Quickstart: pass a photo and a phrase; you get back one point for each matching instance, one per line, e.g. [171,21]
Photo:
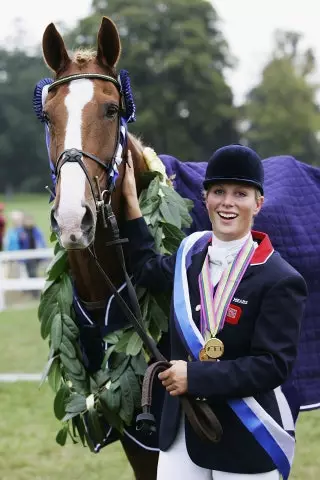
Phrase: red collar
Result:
[264,249]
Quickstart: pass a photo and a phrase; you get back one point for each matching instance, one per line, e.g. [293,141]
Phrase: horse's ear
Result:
[54,50]
[109,46]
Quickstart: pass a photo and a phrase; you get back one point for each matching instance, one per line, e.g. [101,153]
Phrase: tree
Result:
[176,57]
[281,113]
[24,161]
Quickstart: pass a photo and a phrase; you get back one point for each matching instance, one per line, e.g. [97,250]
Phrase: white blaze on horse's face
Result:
[72,202]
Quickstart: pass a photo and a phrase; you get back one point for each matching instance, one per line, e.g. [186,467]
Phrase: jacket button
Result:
[198,308]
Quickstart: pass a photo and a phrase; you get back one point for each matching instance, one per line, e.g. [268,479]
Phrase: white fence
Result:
[23,282]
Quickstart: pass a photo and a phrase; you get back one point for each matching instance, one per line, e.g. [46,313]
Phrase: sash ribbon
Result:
[275,440]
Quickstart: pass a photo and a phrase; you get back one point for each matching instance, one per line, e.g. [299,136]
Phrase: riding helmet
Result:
[235,163]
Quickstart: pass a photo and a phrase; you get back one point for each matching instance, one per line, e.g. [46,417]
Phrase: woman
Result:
[236,313]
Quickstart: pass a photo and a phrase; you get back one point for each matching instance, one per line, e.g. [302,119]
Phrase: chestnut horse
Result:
[83,116]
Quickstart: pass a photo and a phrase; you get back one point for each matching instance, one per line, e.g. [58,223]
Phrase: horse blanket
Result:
[291,217]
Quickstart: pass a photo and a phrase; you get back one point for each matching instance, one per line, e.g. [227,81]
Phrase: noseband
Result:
[74,155]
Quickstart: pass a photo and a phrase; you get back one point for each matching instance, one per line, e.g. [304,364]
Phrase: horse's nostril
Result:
[73,238]
[87,221]
[53,221]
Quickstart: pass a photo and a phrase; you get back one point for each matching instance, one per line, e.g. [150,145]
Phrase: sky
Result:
[248,26]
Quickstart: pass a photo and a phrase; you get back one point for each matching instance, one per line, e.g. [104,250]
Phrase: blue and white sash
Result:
[275,440]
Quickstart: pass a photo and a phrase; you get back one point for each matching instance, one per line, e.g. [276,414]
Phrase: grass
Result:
[24,351]
[28,427]
[28,450]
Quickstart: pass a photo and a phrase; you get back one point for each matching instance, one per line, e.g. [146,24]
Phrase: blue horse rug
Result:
[290,216]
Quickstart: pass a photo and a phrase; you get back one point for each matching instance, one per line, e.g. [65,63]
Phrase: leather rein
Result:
[198,412]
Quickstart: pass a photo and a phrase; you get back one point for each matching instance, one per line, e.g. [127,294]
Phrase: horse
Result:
[83,113]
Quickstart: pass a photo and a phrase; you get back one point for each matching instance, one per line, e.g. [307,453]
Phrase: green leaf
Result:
[72,434]
[171,231]
[154,331]
[47,285]
[46,370]
[150,205]
[94,426]
[135,387]
[73,366]
[107,356]
[54,375]
[158,316]
[101,377]
[60,400]
[69,327]
[57,266]
[57,246]
[112,418]
[79,426]
[53,238]
[121,346]
[81,386]
[65,295]
[46,321]
[166,213]
[61,437]
[112,398]
[111,338]
[153,188]
[127,401]
[134,344]
[139,364]
[115,374]
[47,301]
[69,416]
[76,403]
[67,347]
[56,331]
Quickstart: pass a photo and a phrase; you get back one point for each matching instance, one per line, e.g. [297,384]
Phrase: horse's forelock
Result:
[84,56]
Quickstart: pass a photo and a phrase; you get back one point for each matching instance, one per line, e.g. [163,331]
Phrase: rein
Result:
[199,414]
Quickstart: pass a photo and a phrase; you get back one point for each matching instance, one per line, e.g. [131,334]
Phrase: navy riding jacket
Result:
[260,336]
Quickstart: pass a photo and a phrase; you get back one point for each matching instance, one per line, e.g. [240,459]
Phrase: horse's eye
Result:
[111,110]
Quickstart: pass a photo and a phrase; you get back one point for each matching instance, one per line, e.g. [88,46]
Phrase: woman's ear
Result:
[259,203]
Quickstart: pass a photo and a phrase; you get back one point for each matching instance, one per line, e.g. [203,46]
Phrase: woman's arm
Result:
[150,269]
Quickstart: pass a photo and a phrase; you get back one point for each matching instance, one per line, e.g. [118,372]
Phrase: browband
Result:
[78,76]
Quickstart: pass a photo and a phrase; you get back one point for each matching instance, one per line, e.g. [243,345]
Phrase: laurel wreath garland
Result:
[85,403]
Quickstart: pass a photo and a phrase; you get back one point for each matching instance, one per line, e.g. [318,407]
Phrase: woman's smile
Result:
[231,208]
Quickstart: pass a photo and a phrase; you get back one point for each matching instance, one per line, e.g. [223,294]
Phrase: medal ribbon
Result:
[214,307]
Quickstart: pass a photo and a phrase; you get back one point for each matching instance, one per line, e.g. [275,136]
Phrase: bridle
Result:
[74,155]
[200,415]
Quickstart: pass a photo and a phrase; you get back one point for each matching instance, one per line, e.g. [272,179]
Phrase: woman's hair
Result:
[205,193]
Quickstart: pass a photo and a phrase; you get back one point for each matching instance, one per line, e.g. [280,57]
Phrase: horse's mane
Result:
[137,143]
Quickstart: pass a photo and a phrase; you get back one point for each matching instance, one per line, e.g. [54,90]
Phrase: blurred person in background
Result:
[11,238]
[31,238]
[2,225]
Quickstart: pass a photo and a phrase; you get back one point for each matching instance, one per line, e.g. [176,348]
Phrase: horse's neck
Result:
[90,284]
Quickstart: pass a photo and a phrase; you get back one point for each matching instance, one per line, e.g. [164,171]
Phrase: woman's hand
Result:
[175,378]
[129,190]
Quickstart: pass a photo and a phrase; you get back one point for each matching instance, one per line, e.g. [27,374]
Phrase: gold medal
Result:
[214,348]
[202,355]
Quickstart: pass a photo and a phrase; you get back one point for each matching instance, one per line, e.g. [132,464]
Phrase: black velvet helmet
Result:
[235,163]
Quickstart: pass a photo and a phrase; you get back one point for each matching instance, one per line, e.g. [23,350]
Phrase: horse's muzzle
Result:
[72,236]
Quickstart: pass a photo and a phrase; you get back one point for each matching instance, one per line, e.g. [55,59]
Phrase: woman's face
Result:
[231,208]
